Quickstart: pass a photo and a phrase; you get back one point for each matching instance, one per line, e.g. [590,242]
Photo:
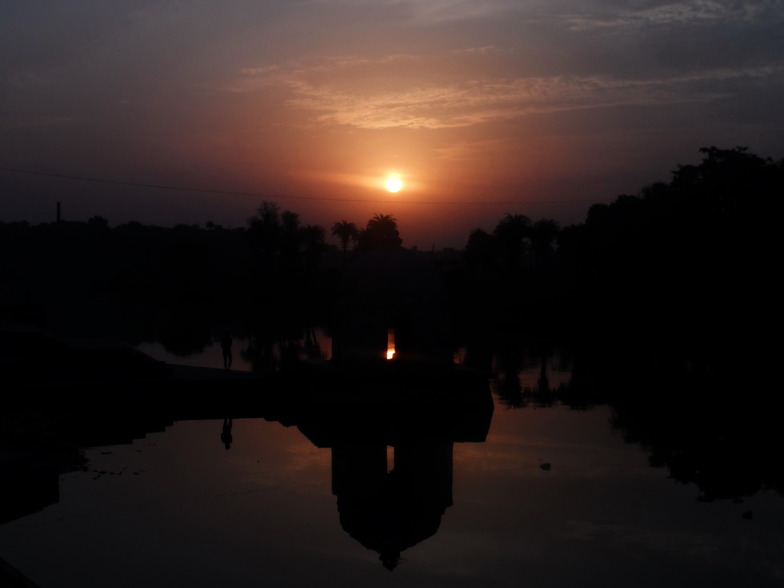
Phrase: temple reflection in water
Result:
[389,503]
[389,512]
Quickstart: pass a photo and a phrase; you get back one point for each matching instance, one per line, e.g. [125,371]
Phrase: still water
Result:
[551,497]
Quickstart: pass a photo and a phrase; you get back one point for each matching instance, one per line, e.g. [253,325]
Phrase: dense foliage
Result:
[660,303]
[695,255]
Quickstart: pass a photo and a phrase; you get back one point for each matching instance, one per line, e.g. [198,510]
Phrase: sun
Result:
[394,184]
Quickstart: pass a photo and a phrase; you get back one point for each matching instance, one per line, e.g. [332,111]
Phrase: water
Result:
[552,497]
[212,355]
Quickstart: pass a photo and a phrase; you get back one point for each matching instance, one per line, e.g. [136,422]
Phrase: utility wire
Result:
[266,196]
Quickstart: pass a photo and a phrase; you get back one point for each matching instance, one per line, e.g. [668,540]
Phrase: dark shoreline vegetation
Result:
[694,256]
[660,303]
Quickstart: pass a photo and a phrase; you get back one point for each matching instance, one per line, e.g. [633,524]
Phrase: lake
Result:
[529,494]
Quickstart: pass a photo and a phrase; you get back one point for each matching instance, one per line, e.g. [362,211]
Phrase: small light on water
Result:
[390,343]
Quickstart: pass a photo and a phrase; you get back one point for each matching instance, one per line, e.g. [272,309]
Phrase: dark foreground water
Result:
[553,497]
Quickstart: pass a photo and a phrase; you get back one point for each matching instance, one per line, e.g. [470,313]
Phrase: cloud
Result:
[426,92]
[436,11]
[581,15]
[428,12]
[657,13]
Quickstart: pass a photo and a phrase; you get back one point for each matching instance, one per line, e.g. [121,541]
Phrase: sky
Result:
[167,111]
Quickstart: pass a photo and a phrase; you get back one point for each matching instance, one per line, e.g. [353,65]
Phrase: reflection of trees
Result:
[261,353]
[509,390]
[716,427]
[726,453]
[709,420]
[273,346]
[718,431]
[311,345]
[182,334]
[515,356]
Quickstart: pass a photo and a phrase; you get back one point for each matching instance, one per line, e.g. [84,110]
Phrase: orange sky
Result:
[536,108]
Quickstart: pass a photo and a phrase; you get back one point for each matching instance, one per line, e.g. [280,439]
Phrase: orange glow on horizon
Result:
[390,343]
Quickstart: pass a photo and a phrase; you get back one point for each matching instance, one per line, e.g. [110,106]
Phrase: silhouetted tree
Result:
[346,232]
[481,251]
[694,256]
[313,245]
[98,222]
[290,244]
[543,233]
[264,229]
[513,235]
[380,232]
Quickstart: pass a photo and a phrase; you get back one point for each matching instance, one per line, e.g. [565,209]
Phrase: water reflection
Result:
[386,507]
[226,437]
[388,512]
[393,465]
[390,507]
[259,352]
[711,424]
[263,512]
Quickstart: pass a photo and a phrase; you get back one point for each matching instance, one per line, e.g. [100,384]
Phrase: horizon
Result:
[153,113]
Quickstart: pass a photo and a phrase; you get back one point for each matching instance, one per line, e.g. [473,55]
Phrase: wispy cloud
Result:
[438,11]
[433,11]
[375,94]
[657,13]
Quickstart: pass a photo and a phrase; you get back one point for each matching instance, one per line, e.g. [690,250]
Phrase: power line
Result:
[138,184]
[267,196]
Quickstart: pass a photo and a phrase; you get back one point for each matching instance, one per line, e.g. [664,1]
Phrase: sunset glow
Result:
[435,113]
[394,185]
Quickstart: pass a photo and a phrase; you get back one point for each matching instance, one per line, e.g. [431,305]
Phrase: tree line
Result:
[690,254]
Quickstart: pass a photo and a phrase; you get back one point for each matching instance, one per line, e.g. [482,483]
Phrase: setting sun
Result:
[394,185]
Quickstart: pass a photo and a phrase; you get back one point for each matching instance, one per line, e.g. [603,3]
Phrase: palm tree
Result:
[346,232]
[312,237]
[264,230]
[481,251]
[543,235]
[382,223]
[380,232]
[513,234]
